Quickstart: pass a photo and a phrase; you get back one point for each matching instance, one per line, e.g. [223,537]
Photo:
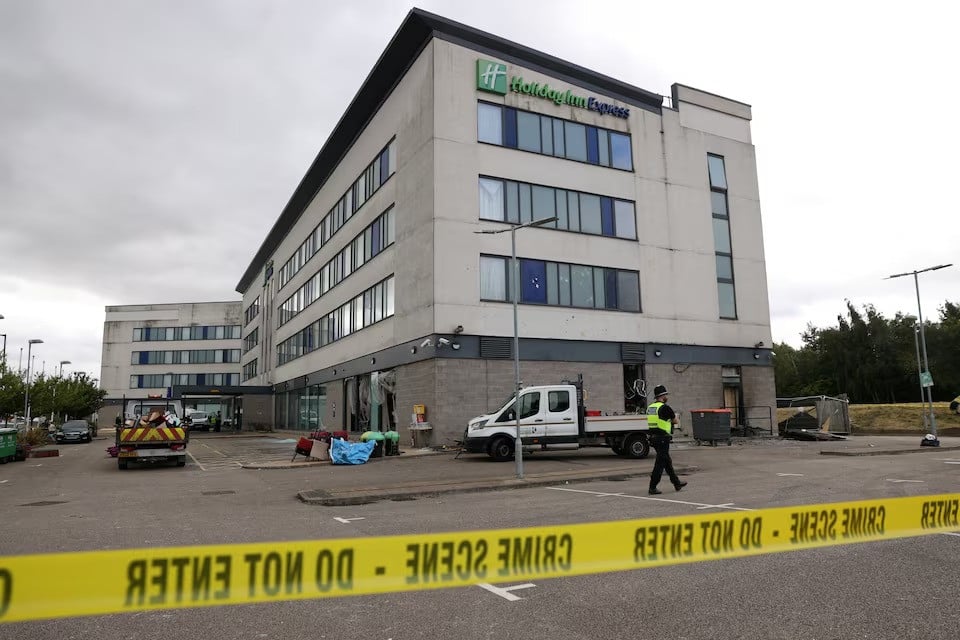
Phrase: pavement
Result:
[443,471]
[424,472]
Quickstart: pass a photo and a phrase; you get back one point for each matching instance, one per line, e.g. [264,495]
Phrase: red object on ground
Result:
[304,447]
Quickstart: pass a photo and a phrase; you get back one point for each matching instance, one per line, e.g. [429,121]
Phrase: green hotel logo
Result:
[492,76]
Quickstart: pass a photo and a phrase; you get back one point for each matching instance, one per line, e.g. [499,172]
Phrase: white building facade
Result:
[150,349]
[374,291]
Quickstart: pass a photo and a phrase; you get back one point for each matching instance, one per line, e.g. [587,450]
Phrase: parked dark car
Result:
[74,431]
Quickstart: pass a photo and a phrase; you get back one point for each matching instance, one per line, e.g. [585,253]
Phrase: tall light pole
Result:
[515,268]
[59,378]
[916,344]
[26,393]
[4,344]
[926,379]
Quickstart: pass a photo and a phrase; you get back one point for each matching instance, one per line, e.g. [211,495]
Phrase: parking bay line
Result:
[196,462]
[214,450]
[698,505]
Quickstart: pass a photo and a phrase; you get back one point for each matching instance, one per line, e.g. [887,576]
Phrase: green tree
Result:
[77,396]
[871,358]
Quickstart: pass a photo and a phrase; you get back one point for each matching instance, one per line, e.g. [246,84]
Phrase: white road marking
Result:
[504,592]
[347,520]
[951,462]
[895,480]
[215,450]
[716,506]
[624,495]
[196,462]
[783,475]
[949,533]
[3,481]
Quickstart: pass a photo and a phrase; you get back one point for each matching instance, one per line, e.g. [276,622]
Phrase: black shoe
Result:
[680,485]
[655,492]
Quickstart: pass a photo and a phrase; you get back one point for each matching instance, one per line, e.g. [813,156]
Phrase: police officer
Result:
[660,421]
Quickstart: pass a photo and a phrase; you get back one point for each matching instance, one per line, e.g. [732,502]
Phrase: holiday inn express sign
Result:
[492,77]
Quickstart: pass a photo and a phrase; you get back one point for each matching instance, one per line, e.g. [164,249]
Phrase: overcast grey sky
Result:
[146,147]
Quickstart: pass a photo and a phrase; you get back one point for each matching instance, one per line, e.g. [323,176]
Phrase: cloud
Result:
[148,147]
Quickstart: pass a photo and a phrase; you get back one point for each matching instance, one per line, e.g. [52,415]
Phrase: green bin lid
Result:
[7,430]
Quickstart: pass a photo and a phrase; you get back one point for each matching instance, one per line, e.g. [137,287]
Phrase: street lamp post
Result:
[26,393]
[926,380]
[916,344]
[515,268]
[4,344]
[59,377]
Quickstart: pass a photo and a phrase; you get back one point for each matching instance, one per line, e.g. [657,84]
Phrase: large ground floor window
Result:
[302,409]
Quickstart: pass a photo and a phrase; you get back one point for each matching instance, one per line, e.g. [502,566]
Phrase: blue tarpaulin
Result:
[344,452]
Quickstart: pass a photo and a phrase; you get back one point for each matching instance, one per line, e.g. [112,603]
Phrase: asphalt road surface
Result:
[890,589]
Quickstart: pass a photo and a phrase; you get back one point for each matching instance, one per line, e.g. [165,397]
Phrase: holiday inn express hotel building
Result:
[374,292]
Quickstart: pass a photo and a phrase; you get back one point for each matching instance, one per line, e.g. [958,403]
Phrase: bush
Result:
[34,437]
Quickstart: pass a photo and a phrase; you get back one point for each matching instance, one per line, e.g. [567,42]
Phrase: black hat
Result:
[659,390]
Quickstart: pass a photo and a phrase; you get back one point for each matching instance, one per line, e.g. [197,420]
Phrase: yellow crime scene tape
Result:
[35,587]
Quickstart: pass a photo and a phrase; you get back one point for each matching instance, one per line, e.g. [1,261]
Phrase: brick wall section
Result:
[455,391]
[691,387]
[701,387]
[760,392]
[416,384]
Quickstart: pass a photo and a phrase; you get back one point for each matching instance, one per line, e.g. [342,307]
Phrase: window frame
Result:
[510,136]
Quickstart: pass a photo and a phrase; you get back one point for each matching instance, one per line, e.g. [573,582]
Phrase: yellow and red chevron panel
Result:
[153,434]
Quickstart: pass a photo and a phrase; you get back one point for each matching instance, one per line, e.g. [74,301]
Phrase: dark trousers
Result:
[663,463]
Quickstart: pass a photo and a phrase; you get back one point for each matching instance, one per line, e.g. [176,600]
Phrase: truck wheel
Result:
[501,449]
[121,464]
[182,461]
[636,447]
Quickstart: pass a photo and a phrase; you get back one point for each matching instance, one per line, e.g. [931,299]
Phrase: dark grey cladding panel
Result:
[697,354]
[569,350]
[472,347]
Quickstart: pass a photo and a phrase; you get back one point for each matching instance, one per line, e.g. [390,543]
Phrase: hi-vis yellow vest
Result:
[654,421]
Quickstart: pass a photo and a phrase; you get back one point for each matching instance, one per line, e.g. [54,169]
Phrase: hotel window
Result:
[367,245]
[726,290]
[518,202]
[371,306]
[560,284]
[159,334]
[509,127]
[160,380]
[362,189]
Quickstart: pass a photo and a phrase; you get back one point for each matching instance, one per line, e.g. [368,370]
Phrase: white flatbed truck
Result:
[554,417]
